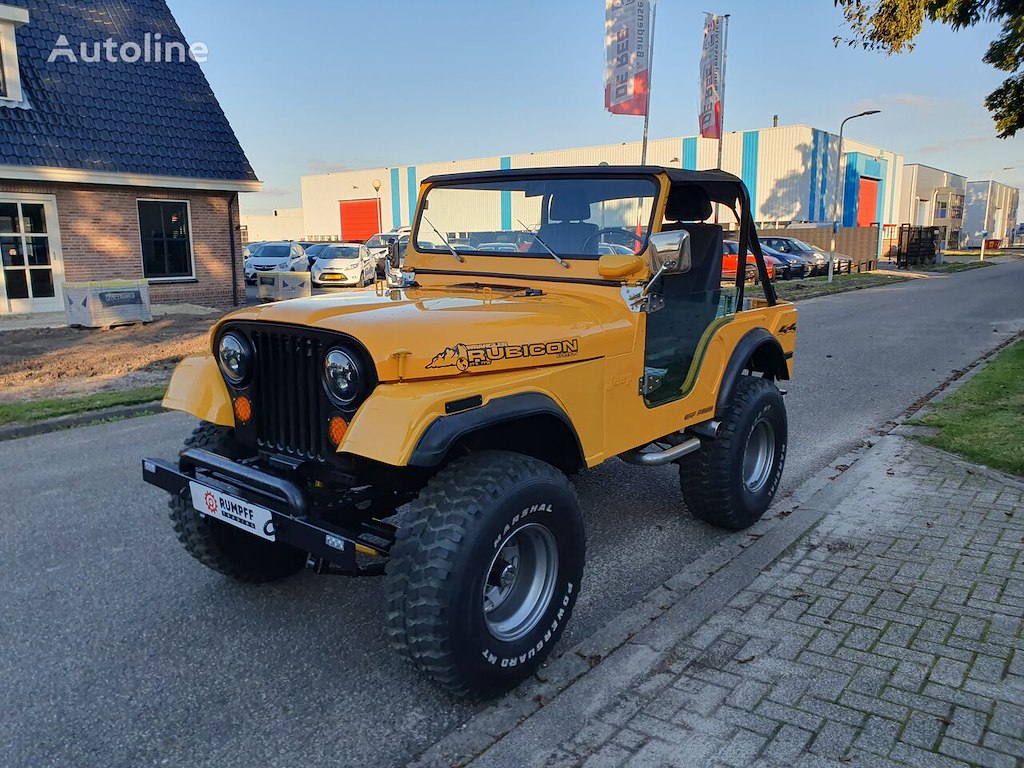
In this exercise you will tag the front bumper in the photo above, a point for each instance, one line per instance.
(288, 503)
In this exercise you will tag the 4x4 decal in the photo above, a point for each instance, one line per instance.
(466, 356)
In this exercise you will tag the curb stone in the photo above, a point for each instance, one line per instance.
(15, 431)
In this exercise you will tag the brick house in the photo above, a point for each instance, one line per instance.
(116, 160)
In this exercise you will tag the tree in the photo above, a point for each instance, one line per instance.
(892, 25)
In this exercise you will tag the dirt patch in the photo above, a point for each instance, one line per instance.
(40, 363)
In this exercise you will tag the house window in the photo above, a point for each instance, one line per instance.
(10, 76)
(941, 209)
(166, 240)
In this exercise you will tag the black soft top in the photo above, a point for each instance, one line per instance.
(720, 186)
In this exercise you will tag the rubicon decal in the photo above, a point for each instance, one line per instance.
(466, 356)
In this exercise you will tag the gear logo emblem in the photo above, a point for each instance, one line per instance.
(211, 502)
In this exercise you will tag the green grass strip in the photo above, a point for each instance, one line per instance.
(38, 410)
(984, 419)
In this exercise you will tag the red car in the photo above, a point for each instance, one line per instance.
(731, 256)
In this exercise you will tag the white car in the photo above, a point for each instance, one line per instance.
(344, 265)
(276, 257)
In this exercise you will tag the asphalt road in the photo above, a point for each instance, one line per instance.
(119, 650)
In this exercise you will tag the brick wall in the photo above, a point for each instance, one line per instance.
(100, 240)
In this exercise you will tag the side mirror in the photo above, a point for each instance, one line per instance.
(394, 257)
(670, 252)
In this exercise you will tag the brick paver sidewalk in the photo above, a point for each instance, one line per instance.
(889, 635)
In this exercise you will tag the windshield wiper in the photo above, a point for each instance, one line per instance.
(445, 241)
(536, 237)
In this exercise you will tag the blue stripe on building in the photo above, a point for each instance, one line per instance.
(396, 200)
(824, 209)
(815, 149)
(413, 191)
(506, 199)
(883, 177)
(751, 144)
(690, 154)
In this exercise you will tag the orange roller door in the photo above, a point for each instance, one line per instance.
(360, 220)
(867, 204)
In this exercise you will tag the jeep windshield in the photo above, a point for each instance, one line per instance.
(575, 218)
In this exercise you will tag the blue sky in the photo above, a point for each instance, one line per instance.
(323, 85)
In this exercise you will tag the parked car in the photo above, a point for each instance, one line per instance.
(793, 266)
(313, 252)
(344, 265)
(731, 257)
(809, 253)
(276, 257)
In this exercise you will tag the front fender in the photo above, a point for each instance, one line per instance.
(393, 421)
(197, 387)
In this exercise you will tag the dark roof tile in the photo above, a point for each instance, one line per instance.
(159, 119)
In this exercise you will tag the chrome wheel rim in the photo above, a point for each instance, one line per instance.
(520, 582)
(759, 456)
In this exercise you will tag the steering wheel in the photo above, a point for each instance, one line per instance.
(612, 231)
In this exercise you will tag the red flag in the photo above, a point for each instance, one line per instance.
(712, 85)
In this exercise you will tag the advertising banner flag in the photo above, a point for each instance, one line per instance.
(627, 66)
(712, 77)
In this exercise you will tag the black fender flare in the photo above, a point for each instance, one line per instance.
(445, 431)
(756, 342)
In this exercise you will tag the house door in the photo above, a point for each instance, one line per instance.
(33, 270)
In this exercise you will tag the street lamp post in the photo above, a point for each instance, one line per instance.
(988, 200)
(376, 188)
(839, 178)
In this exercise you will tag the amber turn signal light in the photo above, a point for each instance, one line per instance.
(336, 429)
(243, 409)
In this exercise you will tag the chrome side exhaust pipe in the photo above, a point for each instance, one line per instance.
(658, 458)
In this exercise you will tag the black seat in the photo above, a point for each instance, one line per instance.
(691, 298)
(567, 230)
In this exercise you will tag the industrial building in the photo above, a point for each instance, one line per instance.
(933, 198)
(991, 213)
(791, 172)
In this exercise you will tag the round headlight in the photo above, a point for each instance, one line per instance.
(235, 357)
(341, 376)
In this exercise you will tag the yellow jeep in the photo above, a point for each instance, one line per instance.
(545, 320)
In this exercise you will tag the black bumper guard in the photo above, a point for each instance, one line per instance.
(332, 546)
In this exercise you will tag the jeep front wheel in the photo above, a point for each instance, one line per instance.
(481, 585)
(732, 480)
(219, 546)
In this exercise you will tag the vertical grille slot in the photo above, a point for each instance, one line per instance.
(288, 405)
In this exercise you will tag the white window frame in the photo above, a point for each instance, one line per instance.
(56, 246)
(191, 277)
(10, 73)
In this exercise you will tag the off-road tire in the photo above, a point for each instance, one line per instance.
(712, 480)
(439, 566)
(219, 546)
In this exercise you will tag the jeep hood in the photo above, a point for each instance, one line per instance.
(446, 332)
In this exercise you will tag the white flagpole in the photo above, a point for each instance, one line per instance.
(650, 81)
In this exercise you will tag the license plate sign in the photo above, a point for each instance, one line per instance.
(331, 277)
(234, 511)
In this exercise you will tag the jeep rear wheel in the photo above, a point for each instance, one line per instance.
(219, 546)
(481, 585)
(732, 480)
